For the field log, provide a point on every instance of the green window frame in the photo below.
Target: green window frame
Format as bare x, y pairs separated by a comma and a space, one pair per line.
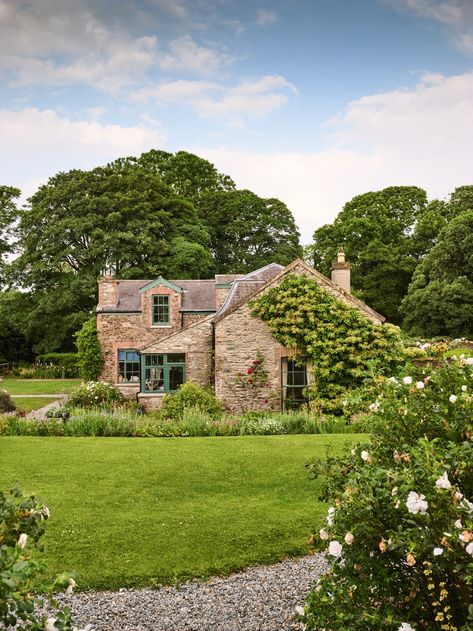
295, 377
161, 310
128, 365
162, 373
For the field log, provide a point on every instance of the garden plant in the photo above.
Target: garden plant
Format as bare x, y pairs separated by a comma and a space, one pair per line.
22, 524
399, 529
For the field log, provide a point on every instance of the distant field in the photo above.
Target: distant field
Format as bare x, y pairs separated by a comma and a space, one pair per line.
40, 386
135, 512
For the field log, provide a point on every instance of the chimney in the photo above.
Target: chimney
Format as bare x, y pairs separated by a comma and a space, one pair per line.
108, 293
341, 271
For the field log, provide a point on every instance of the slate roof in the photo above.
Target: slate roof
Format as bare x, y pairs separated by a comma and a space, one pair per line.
199, 295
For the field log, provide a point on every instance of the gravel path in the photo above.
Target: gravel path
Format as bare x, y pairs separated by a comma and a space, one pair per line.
260, 598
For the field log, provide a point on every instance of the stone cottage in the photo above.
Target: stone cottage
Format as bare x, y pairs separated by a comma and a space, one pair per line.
157, 334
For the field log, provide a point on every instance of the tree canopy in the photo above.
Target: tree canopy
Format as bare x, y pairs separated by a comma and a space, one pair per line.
247, 231
8, 215
384, 234
440, 298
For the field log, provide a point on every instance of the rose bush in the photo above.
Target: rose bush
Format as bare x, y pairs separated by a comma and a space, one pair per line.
22, 524
399, 531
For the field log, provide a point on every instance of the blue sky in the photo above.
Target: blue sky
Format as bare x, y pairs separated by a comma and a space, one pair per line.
311, 101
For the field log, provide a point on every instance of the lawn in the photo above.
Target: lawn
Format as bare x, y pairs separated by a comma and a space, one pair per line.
38, 386
27, 405
134, 512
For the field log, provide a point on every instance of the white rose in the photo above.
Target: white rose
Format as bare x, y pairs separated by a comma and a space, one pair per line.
407, 381
464, 388
452, 398
323, 534
469, 549
438, 552
22, 539
335, 549
374, 406
50, 625
405, 626
72, 585
349, 538
420, 385
443, 482
458, 524
416, 503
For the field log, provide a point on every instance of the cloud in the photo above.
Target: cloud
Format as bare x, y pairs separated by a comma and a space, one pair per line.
251, 98
265, 17
419, 137
186, 56
38, 143
455, 15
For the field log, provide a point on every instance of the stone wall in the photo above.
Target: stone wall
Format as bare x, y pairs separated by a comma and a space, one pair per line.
196, 342
119, 330
238, 338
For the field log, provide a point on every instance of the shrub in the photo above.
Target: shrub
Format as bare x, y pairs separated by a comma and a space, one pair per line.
94, 394
89, 360
190, 395
6, 403
22, 524
262, 425
400, 527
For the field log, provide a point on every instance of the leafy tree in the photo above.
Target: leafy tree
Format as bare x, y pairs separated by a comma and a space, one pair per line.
248, 232
84, 223
440, 298
376, 230
186, 174
8, 215
14, 344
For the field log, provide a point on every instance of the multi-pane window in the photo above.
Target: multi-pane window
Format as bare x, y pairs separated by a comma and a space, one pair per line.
163, 373
294, 379
160, 310
128, 366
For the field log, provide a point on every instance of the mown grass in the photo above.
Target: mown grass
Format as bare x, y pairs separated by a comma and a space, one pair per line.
128, 512
28, 405
40, 386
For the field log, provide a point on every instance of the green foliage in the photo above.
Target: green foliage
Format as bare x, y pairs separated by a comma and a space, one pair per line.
190, 395
6, 403
400, 527
94, 394
343, 346
22, 524
8, 215
377, 231
89, 356
248, 232
440, 297
187, 174
52, 366
14, 344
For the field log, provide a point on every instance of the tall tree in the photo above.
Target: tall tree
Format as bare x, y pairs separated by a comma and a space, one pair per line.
440, 298
377, 231
14, 309
187, 174
247, 231
8, 215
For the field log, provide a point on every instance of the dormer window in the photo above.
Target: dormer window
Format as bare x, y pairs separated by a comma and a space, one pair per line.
161, 310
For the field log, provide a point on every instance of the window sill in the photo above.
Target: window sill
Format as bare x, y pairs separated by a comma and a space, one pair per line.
151, 394
161, 326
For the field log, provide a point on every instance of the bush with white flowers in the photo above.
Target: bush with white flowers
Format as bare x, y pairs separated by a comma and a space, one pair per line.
22, 524
94, 394
399, 530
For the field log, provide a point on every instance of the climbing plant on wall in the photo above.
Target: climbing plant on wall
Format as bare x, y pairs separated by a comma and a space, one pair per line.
343, 346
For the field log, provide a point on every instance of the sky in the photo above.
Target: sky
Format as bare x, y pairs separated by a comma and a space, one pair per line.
309, 101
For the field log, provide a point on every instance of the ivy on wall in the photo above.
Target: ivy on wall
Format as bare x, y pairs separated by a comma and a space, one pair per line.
343, 346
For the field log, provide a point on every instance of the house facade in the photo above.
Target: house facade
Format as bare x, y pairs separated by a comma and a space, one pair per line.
157, 334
